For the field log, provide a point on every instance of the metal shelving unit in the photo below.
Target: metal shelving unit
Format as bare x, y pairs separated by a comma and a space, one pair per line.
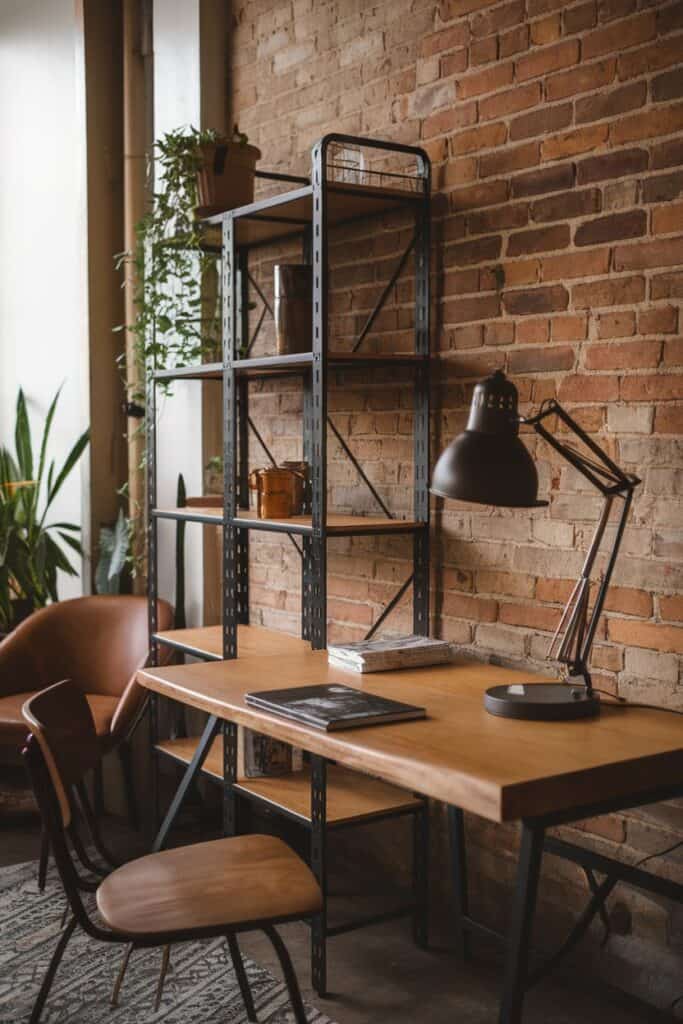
309, 211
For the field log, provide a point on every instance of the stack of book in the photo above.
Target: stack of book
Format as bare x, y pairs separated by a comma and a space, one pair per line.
389, 653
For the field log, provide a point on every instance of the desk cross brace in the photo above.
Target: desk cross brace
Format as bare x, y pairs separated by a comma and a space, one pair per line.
534, 843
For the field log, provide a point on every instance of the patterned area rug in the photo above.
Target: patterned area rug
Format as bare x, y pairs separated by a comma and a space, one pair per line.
201, 987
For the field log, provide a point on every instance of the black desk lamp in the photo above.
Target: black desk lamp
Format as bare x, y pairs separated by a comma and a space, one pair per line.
489, 464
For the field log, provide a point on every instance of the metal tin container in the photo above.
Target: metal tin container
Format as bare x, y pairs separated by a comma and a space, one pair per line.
293, 307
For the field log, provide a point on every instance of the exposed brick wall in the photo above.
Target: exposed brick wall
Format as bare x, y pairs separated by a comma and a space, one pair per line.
556, 135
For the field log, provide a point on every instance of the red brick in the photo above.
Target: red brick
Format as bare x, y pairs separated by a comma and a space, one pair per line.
512, 583
566, 205
453, 63
475, 139
499, 333
548, 179
671, 608
608, 10
606, 826
582, 140
522, 272
667, 286
658, 320
462, 606
667, 219
541, 122
650, 58
531, 616
629, 32
546, 30
611, 104
550, 58
536, 300
482, 82
629, 601
609, 292
648, 254
531, 332
481, 307
661, 188
476, 196
669, 419
575, 264
538, 240
478, 251
584, 78
483, 51
577, 19
445, 39
606, 229
449, 120
617, 325
495, 20
668, 86
541, 360
511, 101
670, 19
646, 634
673, 352
515, 215
450, 9
569, 328
589, 388
660, 121
514, 41
652, 388
629, 355
612, 165
512, 158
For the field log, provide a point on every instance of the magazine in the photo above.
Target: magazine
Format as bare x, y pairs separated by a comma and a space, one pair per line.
389, 653
333, 707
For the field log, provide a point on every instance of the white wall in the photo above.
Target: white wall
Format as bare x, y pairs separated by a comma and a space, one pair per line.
177, 103
43, 281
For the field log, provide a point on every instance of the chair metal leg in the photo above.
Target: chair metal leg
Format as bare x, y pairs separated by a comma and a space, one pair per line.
241, 974
519, 935
93, 827
116, 992
456, 828
51, 971
165, 958
125, 760
44, 859
289, 974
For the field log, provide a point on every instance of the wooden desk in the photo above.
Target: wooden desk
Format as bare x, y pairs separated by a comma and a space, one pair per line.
543, 774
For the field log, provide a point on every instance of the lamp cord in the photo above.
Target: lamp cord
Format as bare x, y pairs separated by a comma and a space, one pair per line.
621, 702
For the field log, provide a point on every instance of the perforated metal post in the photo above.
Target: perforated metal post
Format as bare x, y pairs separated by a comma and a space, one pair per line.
230, 580
319, 869
229, 779
152, 558
421, 407
242, 390
317, 560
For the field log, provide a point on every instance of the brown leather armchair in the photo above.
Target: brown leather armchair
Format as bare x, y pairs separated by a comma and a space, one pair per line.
97, 642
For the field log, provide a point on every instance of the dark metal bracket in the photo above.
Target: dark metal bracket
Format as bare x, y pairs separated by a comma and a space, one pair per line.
359, 469
389, 607
379, 306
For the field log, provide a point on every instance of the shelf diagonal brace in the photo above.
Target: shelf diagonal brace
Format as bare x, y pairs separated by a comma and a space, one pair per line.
385, 295
389, 608
271, 459
359, 469
267, 308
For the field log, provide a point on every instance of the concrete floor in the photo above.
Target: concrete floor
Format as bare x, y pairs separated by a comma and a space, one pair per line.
377, 976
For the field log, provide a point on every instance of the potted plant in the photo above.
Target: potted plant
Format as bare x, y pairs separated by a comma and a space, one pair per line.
32, 550
225, 170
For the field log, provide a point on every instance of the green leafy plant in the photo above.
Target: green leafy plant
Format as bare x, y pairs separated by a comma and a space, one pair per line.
178, 317
33, 550
115, 555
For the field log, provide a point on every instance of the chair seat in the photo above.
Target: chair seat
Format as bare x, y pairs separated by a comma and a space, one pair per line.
227, 882
13, 730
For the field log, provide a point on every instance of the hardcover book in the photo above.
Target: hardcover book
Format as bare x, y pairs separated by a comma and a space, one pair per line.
333, 707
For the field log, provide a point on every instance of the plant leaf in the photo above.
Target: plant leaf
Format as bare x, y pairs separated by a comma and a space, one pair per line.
22, 438
69, 463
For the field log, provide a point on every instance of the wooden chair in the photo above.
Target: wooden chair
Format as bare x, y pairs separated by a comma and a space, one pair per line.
217, 888
97, 642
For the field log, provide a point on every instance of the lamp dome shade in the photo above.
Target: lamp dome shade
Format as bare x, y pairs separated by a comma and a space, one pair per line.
488, 463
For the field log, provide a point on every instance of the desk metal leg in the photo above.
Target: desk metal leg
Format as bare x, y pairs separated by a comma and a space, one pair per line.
519, 935
421, 876
319, 868
210, 730
456, 830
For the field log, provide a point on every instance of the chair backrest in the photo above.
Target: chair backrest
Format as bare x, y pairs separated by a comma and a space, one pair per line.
97, 642
60, 720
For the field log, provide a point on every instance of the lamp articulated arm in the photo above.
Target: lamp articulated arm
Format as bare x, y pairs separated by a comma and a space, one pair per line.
575, 633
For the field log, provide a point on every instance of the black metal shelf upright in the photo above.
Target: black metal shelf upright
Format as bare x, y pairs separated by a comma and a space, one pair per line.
310, 211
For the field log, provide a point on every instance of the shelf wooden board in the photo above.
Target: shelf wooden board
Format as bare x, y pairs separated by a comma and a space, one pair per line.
350, 795
207, 641
290, 213
294, 363
499, 768
338, 524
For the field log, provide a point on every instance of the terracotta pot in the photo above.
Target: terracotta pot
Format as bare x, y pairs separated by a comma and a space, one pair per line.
293, 307
226, 178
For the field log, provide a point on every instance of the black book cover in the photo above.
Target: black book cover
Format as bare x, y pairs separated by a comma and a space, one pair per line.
334, 706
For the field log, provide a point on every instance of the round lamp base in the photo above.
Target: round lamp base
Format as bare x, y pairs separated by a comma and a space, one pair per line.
541, 702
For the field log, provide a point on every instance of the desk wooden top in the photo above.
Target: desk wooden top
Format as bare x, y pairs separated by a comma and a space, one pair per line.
499, 768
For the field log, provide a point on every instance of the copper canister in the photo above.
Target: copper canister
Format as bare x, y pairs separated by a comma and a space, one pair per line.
293, 307
301, 483
275, 492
